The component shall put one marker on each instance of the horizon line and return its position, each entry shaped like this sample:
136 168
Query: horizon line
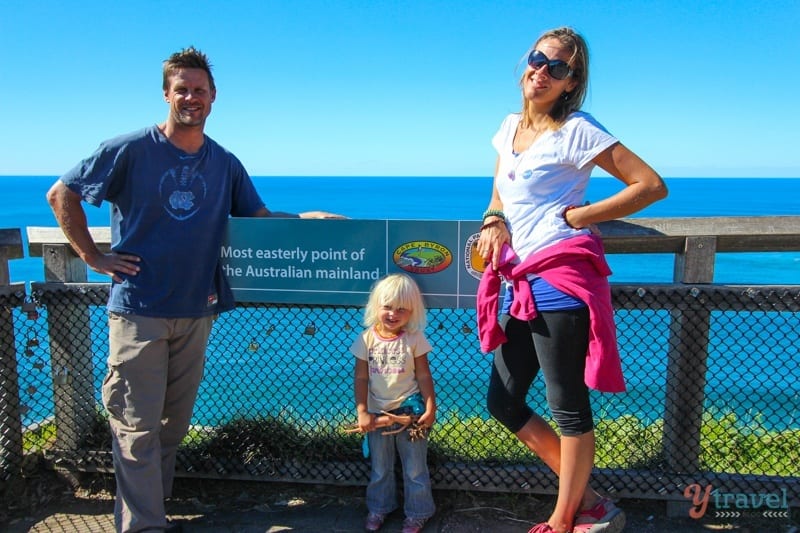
445 176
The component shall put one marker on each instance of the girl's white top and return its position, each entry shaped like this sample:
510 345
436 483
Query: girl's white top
392 376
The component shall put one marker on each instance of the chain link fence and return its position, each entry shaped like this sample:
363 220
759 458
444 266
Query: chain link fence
713 396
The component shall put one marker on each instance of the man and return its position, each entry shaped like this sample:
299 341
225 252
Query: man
171 189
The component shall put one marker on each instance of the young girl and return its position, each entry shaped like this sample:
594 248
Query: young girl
392 375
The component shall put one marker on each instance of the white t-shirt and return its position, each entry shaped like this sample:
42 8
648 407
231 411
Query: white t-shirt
553 173
391 366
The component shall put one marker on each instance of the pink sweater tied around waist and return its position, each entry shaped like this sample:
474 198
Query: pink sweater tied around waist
578 267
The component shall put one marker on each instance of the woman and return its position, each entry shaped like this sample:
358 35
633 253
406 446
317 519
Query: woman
557 313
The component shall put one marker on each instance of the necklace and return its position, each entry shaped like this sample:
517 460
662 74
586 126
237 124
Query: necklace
386 334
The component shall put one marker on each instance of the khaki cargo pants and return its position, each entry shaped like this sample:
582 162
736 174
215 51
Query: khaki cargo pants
155 366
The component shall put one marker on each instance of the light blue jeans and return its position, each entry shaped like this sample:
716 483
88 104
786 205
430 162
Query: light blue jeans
382 488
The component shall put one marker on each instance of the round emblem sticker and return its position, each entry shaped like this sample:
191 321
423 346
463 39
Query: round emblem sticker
422 257
473 261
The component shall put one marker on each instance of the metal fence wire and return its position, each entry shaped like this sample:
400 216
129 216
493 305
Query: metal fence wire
713 376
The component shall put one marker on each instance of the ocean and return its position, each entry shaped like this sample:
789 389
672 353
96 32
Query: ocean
454 198
327 371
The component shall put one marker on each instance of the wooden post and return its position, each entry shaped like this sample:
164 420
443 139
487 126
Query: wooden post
690 327
11 450
5 276
10 248
71 351
695 264
62 264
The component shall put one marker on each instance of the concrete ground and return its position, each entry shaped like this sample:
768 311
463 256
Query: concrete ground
247 507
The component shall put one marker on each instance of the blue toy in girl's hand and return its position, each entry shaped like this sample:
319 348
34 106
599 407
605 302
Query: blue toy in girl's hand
414 403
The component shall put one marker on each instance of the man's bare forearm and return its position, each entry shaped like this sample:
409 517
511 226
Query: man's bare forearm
71 217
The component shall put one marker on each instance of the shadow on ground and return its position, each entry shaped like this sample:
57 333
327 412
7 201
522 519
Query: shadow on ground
46 501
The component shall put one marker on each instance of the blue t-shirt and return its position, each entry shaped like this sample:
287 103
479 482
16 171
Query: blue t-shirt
171 209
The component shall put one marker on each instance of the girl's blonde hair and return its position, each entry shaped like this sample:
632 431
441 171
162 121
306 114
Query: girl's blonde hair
396 290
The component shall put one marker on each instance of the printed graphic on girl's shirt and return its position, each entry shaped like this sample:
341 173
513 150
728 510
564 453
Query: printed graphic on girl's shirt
387 359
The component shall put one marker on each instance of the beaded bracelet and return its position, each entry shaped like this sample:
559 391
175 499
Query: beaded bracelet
564 215
568 208
494 213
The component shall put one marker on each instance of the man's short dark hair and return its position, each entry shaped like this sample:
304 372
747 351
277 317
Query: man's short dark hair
189 57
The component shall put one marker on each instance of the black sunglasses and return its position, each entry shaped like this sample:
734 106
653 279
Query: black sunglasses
557 69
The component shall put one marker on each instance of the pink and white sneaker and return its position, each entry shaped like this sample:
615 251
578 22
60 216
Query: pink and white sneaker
603 517
544 527
413 525
374 521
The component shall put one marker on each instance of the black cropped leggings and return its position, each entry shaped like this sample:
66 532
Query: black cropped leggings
556 342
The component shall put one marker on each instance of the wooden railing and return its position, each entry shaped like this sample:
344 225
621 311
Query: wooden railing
694 241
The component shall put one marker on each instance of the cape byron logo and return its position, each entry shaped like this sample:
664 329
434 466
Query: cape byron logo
736 504
473 261
422 257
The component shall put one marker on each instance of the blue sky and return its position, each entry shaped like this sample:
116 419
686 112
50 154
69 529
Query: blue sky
383 88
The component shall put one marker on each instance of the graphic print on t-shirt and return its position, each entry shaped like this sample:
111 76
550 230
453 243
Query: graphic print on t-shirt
387 358
182 190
